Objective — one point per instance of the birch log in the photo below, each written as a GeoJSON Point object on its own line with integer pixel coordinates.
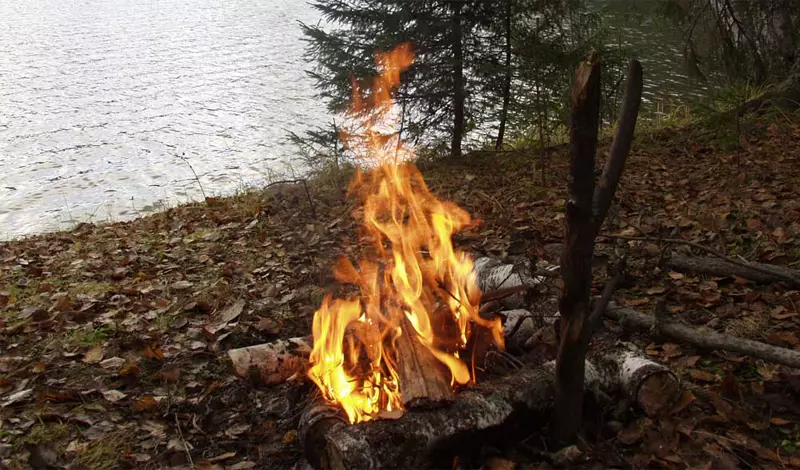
{"type": "Point", "coordinates": [273, 363]}
{"type": "Point", "coordinates": [420, 437]}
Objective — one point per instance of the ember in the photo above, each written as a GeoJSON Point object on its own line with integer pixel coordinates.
{"type": "Point", "coordinates": [415, 283]}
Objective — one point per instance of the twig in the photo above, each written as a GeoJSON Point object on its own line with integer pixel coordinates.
{"type": "Point", "coordinates": [678, 241]}
{"type": "Point", "coordinates": [608, 292]}
{"type": "Point", "coordinates": [185, 445]}
{"type": "Point", "coordinates": [196, 178]}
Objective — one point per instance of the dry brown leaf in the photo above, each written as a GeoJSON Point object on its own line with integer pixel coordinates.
{"type": "Point", "coordinates": [113, 395]}
{"type": "Point", "coordinates": [779, 421]}
{"type": "Point", "coordinates": [686, 399]}
{"type": "Point", "coordinates": [498, 463]}
{"type": "Point", "coordinates": [151, 351]}
{"type": "Point", "coordinates": [94, 355]}
{"type": "Point", "coordinates": [753, 224]}
{"type": "Point", "coordinates": [656, 290]}
{"type": "Point", "coordinates": [631, 435]}
{"type": "Point", "coordinates": [146, 403]}
{"type": "Point", "coordinates": [784, 337]}
{"type": "Point", "coordinates": [702, 375]}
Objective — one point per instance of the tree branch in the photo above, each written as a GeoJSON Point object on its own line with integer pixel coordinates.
{"type": "Point", "coordinates": [621, 147]}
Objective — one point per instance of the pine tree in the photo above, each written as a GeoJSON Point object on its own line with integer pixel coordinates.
{"type": "Point", "coordinates": [433, 93]}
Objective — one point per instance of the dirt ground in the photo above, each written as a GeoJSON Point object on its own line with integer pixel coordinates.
{"type": "Point", "coordinates": [113, 337]}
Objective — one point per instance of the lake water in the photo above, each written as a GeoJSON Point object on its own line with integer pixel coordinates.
{"type": "Point", "coordinates": [98, 97]}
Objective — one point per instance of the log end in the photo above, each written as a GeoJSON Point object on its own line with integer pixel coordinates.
{"type": "Point", "coordinates": [659, 393]}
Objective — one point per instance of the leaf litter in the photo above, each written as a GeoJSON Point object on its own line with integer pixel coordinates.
{"type": "Point", "coordinates": [113, 337]}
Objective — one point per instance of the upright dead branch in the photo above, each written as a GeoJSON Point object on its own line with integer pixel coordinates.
{"type": "Point", "coordinates": [621, 147]}
{"type": "Point", "coordinates": [576, 260]}
{"type": "Point", "coordinates": [585, 211]}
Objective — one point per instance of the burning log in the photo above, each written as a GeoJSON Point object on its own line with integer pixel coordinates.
{"type": "Point", "coordinates": [275, 362]}
{"type": "Point", "coordinates": [272, 363]}
{"type": "Point", "coordinates": [421, 436]}
{"type": "Point", "coordinates": [423, 379]}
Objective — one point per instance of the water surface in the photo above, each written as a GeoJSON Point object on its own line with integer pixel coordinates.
{"type": "Point", "coordinates": [98, 96]}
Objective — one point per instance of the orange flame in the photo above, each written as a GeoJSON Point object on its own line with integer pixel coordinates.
{"type": "Point", "coordinates": [415, 275]}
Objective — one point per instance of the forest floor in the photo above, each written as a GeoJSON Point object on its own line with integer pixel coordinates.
{"type": "Point", "coordinates": [113, 337]}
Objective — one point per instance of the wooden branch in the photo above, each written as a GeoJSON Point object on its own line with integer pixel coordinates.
{"type": "Point", "coordinates": [789, 275]}
{"type": "Point", "coordinates": [425, 438]}
{"type": "Point", "coordinates": [621, 147]}
{"type": "Point", "coordinates": [704, 338]}
{"type": "Point", "coordinates": [596, 317]}
{"type": "Point", "coordinates": [424, 381]}
{"type": "Point", "coordinates": [272, 363]}
{"type": "Point", "coordinates": [758, 272]}
{"type": "Point", "coordinates": [576, 260]}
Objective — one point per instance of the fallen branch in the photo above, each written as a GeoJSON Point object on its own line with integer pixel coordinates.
{"type": "Point", "coordinates": [703, 338]}
{"type": "Point", "coordinates": [758, 272]}
{"type": "Point", "coordinates": [786, 275]}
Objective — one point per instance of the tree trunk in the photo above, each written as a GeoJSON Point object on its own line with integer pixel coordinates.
{"type": "Point", "coordinates": [458, 80]}
{"type": "Point", "coordinates": [585, 211]}
{"type": "Point", "coordinates": [576, 260]}
{"type": "Point", "coordinates": [507, 80]}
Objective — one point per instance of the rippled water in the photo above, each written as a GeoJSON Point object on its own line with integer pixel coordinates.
{"type": "Point", "coordinates": [98, 96]}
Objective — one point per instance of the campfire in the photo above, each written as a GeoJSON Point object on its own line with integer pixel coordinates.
{"type": "Point", "coordinates": [394, 353]}
{"type": "Point", "coordinates": [418, 298]}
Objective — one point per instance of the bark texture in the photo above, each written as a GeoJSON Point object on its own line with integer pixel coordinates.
{"type": "Point", "coordinates": [272, 363]}
{"type": "Point", "coordinates": [758, 272]}
{"type": "Point", "coordinates": [428, 438]}
{"type": "Point", "coordinates": [704, 338]}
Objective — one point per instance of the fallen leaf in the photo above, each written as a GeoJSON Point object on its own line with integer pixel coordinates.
{"type": "Point", "coordinates": [268, 325]}
{"type": "Point", "coordinates": [675, 276]}
{"type": "Point", "coordinates": [237, 429]}
{"type": "Point", "coordinates": [17, 397]}
{"type": "Point", "coordinates": [246, 465]}
{"type": "Point", "coordinates": [146, 403]}
{"type": "Point", "coordinates": [702, 375]}
{"type": "Point", "coordinates": [112, 363]}
{"type": "Point", "coordinates": [94, 355]}
{"type": "Point", "coordinates": [155, 428]}
{"type": "Point", "coordinates": [220, 458]}
{"type": "Point", "coordinates": [783, 337]}
{"type": "Point", "coordinates": [779, 421]}
{"type": "Point", "coordinates": [753, 224]}
{"type": "Point", "coordinates": [130, 370]}
{"type": "Point", "coordinates": [62, 304]}
{"type": "Point", "coordinates": [780, 313]}
{"type": "Point", "coordinates": [497, 463]}
{"type": "Point", "coordinates": [151, 351]}
{"type": "Point", "coordinates": [181, 285]}
{"type": "Point", "coordinates": [656, 290]}
{"type": "Point", "coordinates": [113, 395]}
{"type": "Point", "coordinates": [686, 399]}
